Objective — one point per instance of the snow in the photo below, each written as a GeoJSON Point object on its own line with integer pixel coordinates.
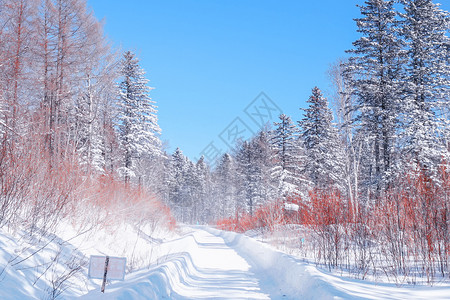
{"type": "Point", "coordinates": [195, 263]}
{"type": "Point", "coordinates": [291, 207]}
{"type": "Point", "coordinates": [198, 265]}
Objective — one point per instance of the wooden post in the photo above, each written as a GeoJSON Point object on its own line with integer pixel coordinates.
{"type": "Point", "coordinates": [104, 275]}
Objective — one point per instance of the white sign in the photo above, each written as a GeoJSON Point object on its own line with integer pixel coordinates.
{"type": "Point", "coordinates": [115, 271]}
{"type": "Point", "coordinates": [291, 206]}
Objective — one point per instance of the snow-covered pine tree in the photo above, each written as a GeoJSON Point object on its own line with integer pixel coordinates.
{"type": "Point", "coordinates": [323, 163]}
{"type": "Point", "coordinates": [263, 157]}
{"type": "Point", "coordinates": [176, 182]}
{"type": "Point", "coordinates": [245, 174]}
{"type": "Point", "coordinates": [206, 207]}
{"type": "Point", "coordinates": [287, 153]}
{"type": "Point", "coordinates": [254, 169]}
{"type": "Point", "coordinates": [190, 193]}
{"type": "Point", "coordinates": [373, 73]}
{"type": "Point", "coordinates": [224, 187]}
{"type": "Point", "coordinates": [137, 120]}
{"type": "Point", "coordinates": [189, 189]}
{"type": "Point", "coordinates": [427, 84]}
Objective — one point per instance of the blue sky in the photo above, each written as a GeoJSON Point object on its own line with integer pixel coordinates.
{"type": "Point", "coordinates": [209, 59]}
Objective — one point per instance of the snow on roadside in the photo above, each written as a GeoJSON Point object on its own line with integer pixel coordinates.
{"type": "Point", "coordinates": [195, 263]}
{"type": "Point", "coordinates": [36, 266]}
{"type": "Point", "coordinates": [55, 265]}
{"type": "Point", "coordinates": [292, 278]}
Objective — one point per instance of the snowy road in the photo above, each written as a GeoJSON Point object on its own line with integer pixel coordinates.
{"type": "Point", "coordinates": [210, 264]}
{"type": "Point", "coordinates": [200, 265]}
{"type": "Point", "coordinates": [219, 272]}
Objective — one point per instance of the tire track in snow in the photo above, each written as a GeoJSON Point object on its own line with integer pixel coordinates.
{"type": "Point", "coordinates": [200, 266]}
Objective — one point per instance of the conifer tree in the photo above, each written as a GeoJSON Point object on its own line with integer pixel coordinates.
{"type": "Point", "coordinates": [137, 120]}
{"type": "Point", "coordinates": [427, 83]}
{"type": "Point", "coordinates": [287, 149]}
{"type": "Point", "coordinates": [323, 163]}
{"type": "Point", "coordinates": [225, 190]}
{"type": "Point", "coordinates": [190, 193]}
{"type": "Point", "coordinates": [176, 182]}
{"type": "Point", "coordinates": [264, 165]}
{"type": "Point", "coordinates": [246, 180]}
{"type": "Point", "coordinates": [205, 207]}
{"type": "Point", "coordinates": [373, 72]}
{"type": "Point", "coordinates": [254, 172]}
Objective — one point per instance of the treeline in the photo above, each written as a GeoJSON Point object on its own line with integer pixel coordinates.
{"type": "Point", "coordinates": [273, 166]}
{"type": "Point", "coordinates": [371, 184]}
{"type": "Point", "coordinates": [78, 131]}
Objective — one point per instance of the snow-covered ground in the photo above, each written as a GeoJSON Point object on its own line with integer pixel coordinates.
{"type": "Point", "coordinates": [193, 263]}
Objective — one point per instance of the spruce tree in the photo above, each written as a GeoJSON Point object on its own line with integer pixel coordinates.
{"type": "Point", "coordinates": [323, 163]}
{"type": "Point", "coordinates": [246, 178]}
{"type": "Point", "coordinates": [427, 84]}
{"type": "Point", "coordinates": [373, 72]}
{"type": "Point", "coordinates": [264, 165]}
{"type": "Point", "coordinates": [287, 151]}
{"type": "Point", "coordinates": [177, 170]}
{"type": "Point", "coordinates": [137, 120]}
{"type": "Point", "coordinates": [190, 193]}
{"type": "Point", "coordinates": [205, 209]}
{"type": "Point", "coordinates": [225, 182]}
{"type": "Point", "coordinates": [254, 166]}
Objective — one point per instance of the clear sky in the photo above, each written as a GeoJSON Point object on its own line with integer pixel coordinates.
{"type": "Point", "coordinates": [209, 59]}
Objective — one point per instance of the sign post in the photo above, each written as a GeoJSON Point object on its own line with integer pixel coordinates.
{"type": "Point", "coordinates": [107, 268]}
{"type": "Point", "coordinates": [104, 275]}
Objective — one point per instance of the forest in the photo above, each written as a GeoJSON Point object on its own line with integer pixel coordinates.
{"type": "Point", "coordinates": [365, 170]}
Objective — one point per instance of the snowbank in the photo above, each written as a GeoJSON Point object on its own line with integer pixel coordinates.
{"type": "Point", "coordinates": [290, 278]}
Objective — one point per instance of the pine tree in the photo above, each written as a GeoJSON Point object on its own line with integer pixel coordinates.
{"type": "Point", "coordinates": [190, 192]}
{"type": "Point", "coordinates": [374, 75]}
{"type": "Point", "coordinates": [254, 169]}
{"type": "Point", "coordinates": [137, 120]}
{"type": "Point", "coordinates": [205, 207]}
{"type": "Point", "coordinates": [224, 178]}
{"type": "Point", "coordinates": [287, 151]}
{"type": "Point", "coordinates": [427, 83]}
{"type": "Point", "coordinates": [176, 182]}
{"type": "Point", "coordinates": [245, 174]}
{"type": "Point", "coordinates": [264, 164]}
{"type": "Point", "coordinates": [323, 163]}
